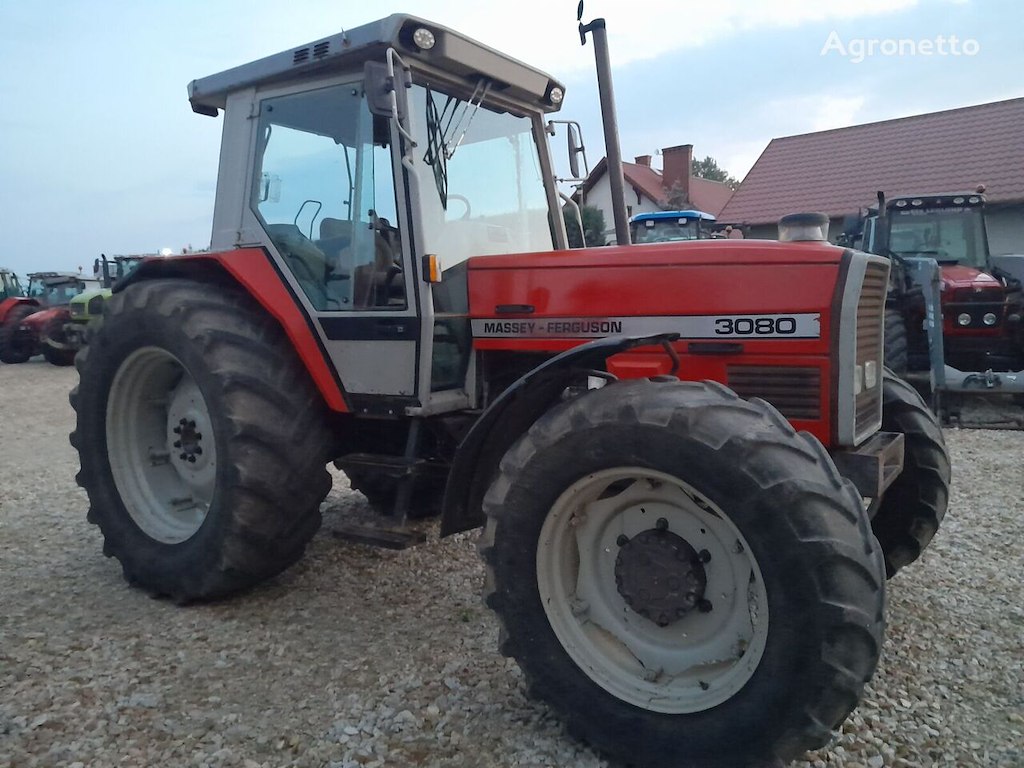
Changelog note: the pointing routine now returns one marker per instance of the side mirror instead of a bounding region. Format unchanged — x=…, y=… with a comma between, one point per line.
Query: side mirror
x=386, y=95
x=575, y=148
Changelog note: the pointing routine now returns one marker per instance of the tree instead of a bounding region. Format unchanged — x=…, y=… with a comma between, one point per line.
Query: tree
x=708, y=168
x=593, y=226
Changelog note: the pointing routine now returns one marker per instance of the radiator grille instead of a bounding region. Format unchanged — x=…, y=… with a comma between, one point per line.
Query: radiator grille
x=796, y=392
x=870, y=322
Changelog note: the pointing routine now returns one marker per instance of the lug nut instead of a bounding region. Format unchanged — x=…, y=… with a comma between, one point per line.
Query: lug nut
x=622, y=540
x=661, y=524
x=183, y=456
x=704, y=606
x=199, y=435
x=177, y=443
x=192, y=460
x=177, y=430
x=183, y=422
x=703, y=686
x=199, y=450
x=704, y=555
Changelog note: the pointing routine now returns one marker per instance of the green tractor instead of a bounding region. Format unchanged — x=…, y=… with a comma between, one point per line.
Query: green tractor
x=87, y=306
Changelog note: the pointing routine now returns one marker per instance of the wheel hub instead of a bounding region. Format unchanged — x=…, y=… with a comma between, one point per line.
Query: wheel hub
x=660, y=576
x=188, y=443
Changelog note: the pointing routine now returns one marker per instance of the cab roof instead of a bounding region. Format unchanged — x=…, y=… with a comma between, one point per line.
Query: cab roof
x=452, y=52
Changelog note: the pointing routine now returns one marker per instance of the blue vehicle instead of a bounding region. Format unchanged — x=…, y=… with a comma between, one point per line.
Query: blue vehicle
x=669, y=226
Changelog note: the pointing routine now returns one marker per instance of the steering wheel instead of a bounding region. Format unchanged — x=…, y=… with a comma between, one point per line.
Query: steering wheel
x=465, y=201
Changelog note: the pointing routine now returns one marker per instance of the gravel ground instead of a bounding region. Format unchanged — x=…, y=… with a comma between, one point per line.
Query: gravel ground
x=364, y=657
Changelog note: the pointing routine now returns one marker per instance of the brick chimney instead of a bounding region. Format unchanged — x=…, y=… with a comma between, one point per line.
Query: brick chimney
x=644, y=160
x=676, y=164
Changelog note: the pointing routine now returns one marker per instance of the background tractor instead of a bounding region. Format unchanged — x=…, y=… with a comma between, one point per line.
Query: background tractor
x=692, y=471
x=954, y=313
x=87, y=307
x=35, y=324
x=669, y=226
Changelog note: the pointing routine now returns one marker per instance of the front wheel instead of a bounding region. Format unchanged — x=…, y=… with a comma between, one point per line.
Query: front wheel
x=674, y=567
x=201, y=438
x=913, y=506
x=14, y=347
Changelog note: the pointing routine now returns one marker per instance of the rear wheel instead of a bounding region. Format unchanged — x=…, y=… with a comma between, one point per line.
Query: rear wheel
x=683, y=577
x=895, y=342
x=201, y=438
x=13, y=346
x=914, y=505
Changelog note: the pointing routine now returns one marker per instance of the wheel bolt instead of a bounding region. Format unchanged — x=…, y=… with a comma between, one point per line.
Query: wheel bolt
x=183, y=456
x=199, y=435
x=661, y=524
x=199, y=450
x=183, y=422
x=192, y=460
x=704, y=606
x=177, y=430
x=192, y=424
x=704, y=555
x=622, y=540
x=703, y=686
x=177, y=443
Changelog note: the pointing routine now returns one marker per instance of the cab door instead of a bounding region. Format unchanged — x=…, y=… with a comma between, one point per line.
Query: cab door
x=323, y=201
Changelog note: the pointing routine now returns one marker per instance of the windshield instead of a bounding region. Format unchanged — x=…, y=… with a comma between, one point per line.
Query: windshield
x=664, y=230
x=53, y=291
x=480, y=178
x=944, y=234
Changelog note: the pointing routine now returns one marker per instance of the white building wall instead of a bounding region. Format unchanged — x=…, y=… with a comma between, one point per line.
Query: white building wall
x=1005, y=229
x=600, y=197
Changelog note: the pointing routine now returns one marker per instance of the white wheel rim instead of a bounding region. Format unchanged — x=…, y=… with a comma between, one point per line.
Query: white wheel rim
x=160, y=445
x=699, y=660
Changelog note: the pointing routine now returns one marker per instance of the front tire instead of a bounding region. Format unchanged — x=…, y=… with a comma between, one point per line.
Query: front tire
x=674, y=567
x=896, y=350
x=56, y=346
x=201, y=439
x=914, y=505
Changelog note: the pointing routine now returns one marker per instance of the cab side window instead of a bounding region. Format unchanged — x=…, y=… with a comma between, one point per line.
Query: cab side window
x=324, y=193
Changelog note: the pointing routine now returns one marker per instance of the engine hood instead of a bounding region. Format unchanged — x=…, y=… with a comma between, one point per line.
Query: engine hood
x=959, y=277
x=39, y=320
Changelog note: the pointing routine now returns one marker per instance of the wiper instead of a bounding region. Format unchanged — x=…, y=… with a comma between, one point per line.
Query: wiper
x=445, y=133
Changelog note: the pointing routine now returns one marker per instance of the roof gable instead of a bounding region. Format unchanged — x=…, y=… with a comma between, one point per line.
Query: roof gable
x=705, y=194
x=838, y=171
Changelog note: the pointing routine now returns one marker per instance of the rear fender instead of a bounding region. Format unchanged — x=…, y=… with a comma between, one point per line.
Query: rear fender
x=15, y=301
x=252, y=270
x=514, y=412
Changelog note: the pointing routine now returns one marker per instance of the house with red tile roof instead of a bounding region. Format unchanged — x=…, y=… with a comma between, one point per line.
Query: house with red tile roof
x=839, y=172
x=649, y=190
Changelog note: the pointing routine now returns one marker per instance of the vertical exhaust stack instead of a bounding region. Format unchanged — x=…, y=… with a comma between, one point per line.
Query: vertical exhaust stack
x=611, y=126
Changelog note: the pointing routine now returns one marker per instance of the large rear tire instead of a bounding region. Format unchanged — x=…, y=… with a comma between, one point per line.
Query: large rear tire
x=683, y=577
x=13, y=349
x=202, y=440
x=914, y=505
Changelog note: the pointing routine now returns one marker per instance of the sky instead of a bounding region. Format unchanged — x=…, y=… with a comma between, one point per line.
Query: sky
x=101, y=153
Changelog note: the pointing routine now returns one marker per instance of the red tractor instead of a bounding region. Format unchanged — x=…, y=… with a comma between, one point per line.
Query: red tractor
x=955, y=313
x=692, y=470
x=35, y=324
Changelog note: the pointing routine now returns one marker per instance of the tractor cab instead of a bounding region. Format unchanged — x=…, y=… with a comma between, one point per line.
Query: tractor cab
x=948, y=228
x=671, y=226
x=10, y=286
x=55, y=289
x=371, y=166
